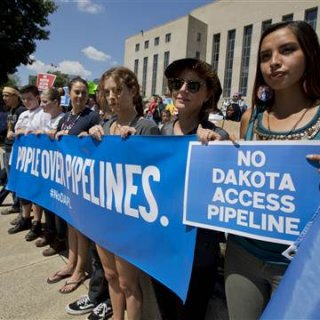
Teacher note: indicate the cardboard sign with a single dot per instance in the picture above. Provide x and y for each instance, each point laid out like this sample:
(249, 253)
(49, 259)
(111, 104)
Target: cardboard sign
(45, 81)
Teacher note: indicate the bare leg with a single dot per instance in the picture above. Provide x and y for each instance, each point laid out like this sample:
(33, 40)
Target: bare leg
(116, 295)
(26, 210)
(78, 275)
(82, 252)
(129, 285)
(69, 267)
(37, 212)
(72, 249)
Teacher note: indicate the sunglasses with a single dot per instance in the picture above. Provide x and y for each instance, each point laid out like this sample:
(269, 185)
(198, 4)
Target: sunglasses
(192, 86)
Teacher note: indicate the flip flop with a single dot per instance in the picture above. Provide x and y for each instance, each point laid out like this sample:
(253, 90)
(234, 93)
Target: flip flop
(58, 276)
(73, 285)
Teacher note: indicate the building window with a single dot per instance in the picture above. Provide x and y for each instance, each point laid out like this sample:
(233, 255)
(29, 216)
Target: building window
(168, 37)
(156, 41)
(144, 75)
(245, 60)
(165, 64)
(136, 67)
(197, 54)
(287, 17)
(229, 63)
(215, 51)
(154, 74)
(198, 36)
(146, 44)
(310, 16)
(137, 47)
(265, 24)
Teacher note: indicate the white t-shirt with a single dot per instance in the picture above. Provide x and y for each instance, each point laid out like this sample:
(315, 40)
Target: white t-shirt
(53, 122)
(35, 119)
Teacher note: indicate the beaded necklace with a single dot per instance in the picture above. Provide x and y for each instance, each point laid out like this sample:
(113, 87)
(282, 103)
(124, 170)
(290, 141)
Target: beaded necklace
(307, 132)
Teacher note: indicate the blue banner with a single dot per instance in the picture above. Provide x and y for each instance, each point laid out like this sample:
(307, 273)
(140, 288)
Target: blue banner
(262, 190)
(125, 195)
(128, 195)
(297, 296)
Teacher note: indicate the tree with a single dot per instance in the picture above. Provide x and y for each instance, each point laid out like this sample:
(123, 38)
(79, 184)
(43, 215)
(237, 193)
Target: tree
(62, 79)
(13, 80)
(22, 22)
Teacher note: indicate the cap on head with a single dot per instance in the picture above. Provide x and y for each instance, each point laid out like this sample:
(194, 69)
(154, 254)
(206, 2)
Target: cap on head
(177, 66)
(204, 70)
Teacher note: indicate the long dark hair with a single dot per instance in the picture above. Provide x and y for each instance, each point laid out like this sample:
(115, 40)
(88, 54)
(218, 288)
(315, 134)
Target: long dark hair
(309, 43)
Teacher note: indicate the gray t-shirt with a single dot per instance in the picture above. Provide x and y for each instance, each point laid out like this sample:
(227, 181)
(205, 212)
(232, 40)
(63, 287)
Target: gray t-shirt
(143, 126)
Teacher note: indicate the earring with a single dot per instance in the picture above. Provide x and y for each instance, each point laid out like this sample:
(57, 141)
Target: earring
(305, 87)
(264, 93)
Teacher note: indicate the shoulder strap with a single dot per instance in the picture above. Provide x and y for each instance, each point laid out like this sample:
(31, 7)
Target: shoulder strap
(252, 122)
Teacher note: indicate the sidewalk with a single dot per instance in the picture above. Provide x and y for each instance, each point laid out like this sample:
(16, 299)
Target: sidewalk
(25, 293)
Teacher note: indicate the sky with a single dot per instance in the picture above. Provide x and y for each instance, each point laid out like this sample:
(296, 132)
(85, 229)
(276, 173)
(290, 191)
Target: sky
(87, 37)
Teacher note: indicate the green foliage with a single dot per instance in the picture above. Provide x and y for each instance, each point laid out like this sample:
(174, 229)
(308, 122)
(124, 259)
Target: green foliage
(22, 22)
(32, 80)
(13, 80)
(61, 79)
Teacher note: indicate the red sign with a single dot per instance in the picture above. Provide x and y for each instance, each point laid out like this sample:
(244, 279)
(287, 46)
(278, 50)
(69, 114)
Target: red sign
(45, 81)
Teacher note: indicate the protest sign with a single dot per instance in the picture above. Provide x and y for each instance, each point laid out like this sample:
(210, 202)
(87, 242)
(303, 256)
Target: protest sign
(133, 201)
(45, 81)
(117, 193)
(65, 99)
(262, 190)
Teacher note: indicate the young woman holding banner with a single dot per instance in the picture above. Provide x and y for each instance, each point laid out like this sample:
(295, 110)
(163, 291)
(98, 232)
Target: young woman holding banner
(74, 122)
(286, 100)
(195, 90)
(119, 90)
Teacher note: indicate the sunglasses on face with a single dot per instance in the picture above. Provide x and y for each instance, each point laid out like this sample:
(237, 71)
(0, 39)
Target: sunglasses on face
(192, 86)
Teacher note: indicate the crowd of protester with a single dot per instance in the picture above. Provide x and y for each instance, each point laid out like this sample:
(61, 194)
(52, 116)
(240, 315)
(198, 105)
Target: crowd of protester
(288, 109)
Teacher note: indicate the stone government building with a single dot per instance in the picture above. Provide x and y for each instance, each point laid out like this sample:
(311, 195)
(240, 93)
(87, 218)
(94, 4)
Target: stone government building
(225, 33)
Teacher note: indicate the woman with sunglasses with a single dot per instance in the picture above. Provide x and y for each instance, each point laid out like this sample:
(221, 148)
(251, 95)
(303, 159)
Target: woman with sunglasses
(195, 90)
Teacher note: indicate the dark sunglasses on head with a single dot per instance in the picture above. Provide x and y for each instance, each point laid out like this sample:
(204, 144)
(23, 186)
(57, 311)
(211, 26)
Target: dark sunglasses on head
(192, 86)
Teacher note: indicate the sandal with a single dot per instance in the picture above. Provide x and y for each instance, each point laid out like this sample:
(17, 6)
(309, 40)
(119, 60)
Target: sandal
(58, 276)
(73, 285)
